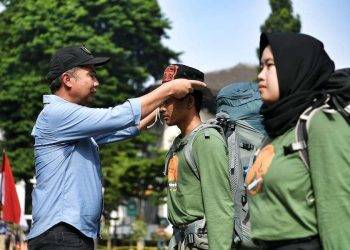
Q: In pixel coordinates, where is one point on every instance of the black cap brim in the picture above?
(96, 61)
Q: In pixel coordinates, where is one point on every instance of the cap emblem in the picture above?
(86, 50)
(170, 73)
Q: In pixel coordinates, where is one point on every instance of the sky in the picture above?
(215, 35)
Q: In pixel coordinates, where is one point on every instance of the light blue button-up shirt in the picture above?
(67, 164)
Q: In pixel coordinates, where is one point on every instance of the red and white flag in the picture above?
(11, 209)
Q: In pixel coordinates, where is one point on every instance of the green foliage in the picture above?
(129, 31)
(135, 171)
(139, 229)
(281, 18)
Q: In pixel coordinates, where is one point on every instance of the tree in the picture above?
(139, 229)
(136, 171)
(129, 31)
(281, 18)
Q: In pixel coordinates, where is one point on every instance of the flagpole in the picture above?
(2, 174)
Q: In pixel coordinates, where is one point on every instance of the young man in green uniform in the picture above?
(200, 209)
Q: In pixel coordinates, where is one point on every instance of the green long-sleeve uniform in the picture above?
(190, 199)
(281, 206)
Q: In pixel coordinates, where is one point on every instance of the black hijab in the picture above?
(339, 84)
(303, 69)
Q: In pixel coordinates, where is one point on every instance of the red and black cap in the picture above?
(70, 57)
(175, 71)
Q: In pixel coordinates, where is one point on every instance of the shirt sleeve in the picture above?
(69, 121)
(119, 135)
(211, 158)
(329, 143)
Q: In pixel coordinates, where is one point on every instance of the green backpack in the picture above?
(239, 122)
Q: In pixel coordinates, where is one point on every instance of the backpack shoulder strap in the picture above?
(188, 148)
(169, 154)
(301, 134)
(343, 107)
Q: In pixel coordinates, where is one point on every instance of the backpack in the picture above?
(239, 122)
(301, 133)
(329, 104)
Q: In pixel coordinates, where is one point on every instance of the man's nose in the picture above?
(96, 83)
(162, 108)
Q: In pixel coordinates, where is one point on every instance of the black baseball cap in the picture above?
(70, 57)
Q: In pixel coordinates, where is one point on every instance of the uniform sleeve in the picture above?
(211, 157)
(73, 122)
(329, 152)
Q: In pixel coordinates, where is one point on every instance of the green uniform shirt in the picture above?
(190, 199)
(281, 205)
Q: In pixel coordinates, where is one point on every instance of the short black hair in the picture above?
(55, 85)
(198, 99)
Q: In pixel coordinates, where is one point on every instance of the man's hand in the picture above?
(177, 88)
(181, 87)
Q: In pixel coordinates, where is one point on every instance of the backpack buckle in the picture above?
(310, 198)
(288, 149)
(294, 147)
(347, 109)
(190, 239)
(246, 146)
(202, 232)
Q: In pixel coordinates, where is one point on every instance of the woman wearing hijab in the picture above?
(293, 207)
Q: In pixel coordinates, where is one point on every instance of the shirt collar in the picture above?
(47, 99)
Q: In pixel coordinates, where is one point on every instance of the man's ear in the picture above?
(190, 101)
(66, 80)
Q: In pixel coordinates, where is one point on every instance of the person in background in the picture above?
(291, 206)
(3, 231)
(67, 199)
(161, 237)
(200, 209)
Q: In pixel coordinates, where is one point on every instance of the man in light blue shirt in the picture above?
(67, 200)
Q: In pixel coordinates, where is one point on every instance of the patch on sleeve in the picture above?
(173, 173)
(254, 179)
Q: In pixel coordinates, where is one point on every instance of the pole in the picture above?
(2, 177)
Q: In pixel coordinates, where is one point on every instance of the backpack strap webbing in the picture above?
(186, 235)
(188, 148)
(342, 106)
(170, 154)
(301, 134)
(234, 165)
